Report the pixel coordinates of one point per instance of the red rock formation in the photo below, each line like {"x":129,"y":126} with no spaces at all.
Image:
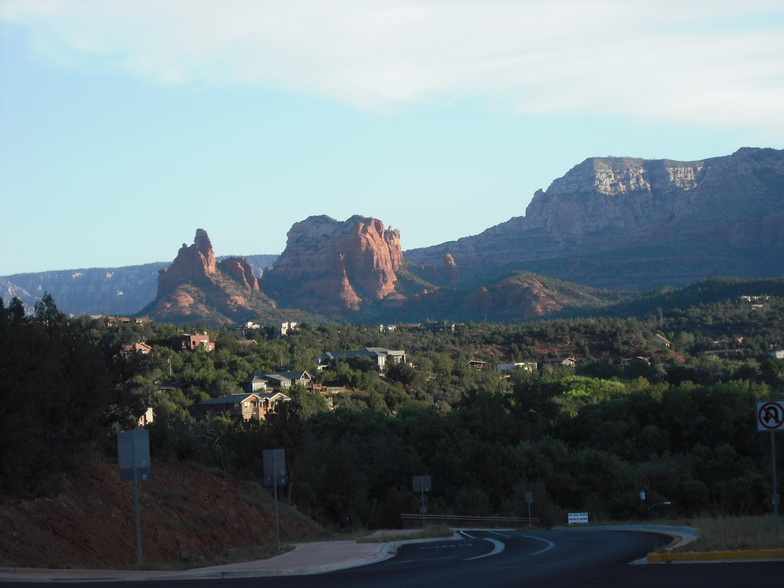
{"x":242,"y":272}
{"x":329,"y":266}
{"x":449,"y":269}
{"x":195,"y":286}
{"x":195,"y":263}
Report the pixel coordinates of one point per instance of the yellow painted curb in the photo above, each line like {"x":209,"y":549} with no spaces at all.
{"x":716,"y":555}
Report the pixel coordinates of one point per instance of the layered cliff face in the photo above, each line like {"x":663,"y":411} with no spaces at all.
{"x":330,"y":267}
{"x":681,"y":220}
{"x":197,"y":286}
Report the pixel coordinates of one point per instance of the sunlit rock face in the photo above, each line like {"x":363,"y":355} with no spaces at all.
{"x":197,"y":286}
{"x":194,"y":263}
{"x":330,"y":266}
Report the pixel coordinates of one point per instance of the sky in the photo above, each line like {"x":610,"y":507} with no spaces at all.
{"x":125,"y":125}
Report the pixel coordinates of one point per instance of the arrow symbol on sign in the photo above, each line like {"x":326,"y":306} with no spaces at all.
{"x":771,"y":414}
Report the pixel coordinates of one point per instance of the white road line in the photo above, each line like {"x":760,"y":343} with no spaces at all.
{"x":499,"y":547}
{"x":414,"y":561}
{"x":499,"y":534}
{"x":467,"y":535}
{"x":550,"y":544}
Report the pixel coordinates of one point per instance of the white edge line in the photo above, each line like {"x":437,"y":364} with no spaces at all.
{"x":550,"y":544}
{"x":499,"y":547}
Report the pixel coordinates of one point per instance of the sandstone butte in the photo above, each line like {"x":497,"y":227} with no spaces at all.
{"x":332,"y":267}
{"x":195,"y":274}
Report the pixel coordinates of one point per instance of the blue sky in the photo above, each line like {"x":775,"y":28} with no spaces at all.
{"x":126,"y":125}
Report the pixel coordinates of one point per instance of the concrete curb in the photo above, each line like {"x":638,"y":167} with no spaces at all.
{"x":385,"y":551}
{"x":695,"y":556}
{"x":382,"y":554}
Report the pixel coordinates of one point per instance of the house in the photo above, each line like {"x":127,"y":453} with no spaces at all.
{"x":147,"y":417}
{"x":169,"y":386}
{"x":286,"y":327}
{"x":661,"y":340}
{"x":140,"y":347}
{"x":379,"y":354}
{"x":113,"y":321}
{"x":645,"y":360}
{"x":192,"y":342}
{"x":444,"y":327}
{"x":562,"y":361}
{"x":777,"y":354}
{"x":245,"y":406}
{"x":528,"y":366}
{"x":276,"y":381}
{"x":476,"y":364}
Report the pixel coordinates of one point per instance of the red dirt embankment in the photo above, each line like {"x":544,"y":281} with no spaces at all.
{"x":186,"y":515}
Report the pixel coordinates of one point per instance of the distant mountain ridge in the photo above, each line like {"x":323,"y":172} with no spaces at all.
{"x":639,"y":224}
{"x":622,"y":224}
{"x":117,"y":290}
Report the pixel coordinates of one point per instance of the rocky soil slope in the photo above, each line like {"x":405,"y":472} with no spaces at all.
{"x":186,"y":515}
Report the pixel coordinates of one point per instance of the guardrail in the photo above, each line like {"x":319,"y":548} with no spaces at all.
{"x":414,"y":521}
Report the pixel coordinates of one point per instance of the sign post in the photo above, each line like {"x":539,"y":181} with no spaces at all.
{"x":529,"y":498}
{"x":422,"y":484}
{"x":770,"y":418}
{"x":274,"y":474}
{"x":133,"y":452}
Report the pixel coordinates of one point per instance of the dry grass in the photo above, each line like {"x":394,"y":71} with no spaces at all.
{"x":732,"y":533}
{"x":430,"y":532}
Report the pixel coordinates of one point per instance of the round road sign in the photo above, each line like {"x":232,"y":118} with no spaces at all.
{"x":770,"y":416}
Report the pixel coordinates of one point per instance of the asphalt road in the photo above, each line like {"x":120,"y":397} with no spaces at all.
{"x":530,"y":559}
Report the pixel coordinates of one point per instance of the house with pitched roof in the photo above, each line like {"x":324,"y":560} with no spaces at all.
{"x":276,"y":381}
{"x":245,"y":406}
{"x":379,"y":354}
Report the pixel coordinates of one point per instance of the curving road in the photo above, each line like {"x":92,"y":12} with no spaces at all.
{"x":539,"y":559}
{"x":530,"y":559}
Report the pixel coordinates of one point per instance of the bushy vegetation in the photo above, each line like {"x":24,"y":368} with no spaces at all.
{"x":634,"y":415}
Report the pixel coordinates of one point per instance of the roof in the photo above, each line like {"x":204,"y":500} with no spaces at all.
{"x":271,"y":395}
{"x":366,"y":352}
{"x":278,"y":376}
{"x":234,"y":398}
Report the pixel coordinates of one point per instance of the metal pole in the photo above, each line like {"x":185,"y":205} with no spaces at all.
{"x":275,"y":486}
{"x":423,"y":504}
{"x":136,"y":503}
{"x":529,"y":515}
{"x":775,"y":486}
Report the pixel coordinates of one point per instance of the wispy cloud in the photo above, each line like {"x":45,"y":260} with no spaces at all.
{"x":719,"y":63}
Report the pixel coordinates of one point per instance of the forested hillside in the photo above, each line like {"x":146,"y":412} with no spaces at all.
{"x":632,"y":414}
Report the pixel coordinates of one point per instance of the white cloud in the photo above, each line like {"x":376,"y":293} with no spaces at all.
{"x":718,"y":63}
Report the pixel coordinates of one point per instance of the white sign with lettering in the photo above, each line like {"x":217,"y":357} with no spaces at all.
{"x":576,"y":518}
